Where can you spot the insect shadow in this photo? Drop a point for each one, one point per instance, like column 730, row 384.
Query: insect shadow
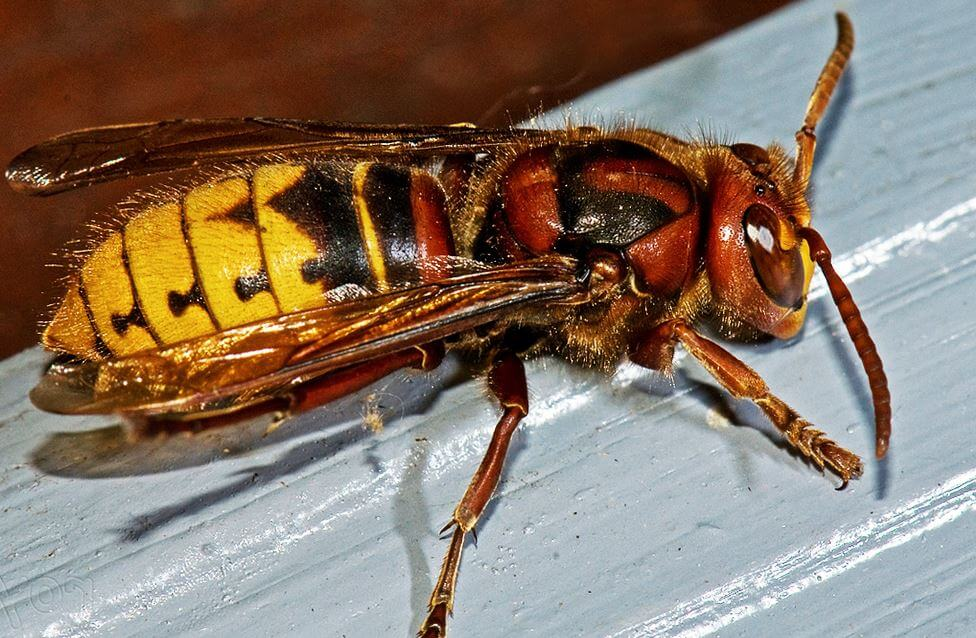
column 852, row 370
column 725, row 411
column 124, row 450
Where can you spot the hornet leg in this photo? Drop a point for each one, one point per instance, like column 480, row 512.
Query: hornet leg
column 657, row 348
column 507, row 382
column 348, row 380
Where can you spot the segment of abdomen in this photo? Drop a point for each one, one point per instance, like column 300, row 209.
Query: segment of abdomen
column 247, row 247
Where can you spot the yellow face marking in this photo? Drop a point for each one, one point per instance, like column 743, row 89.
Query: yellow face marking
column 286, row 246
column 159, row 261
column 70, row 331
column 226, row 250
column 109, row 292
column 371, row 240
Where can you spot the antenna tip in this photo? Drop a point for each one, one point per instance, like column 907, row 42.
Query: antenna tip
column 845, row 27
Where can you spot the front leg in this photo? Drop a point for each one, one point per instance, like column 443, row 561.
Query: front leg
column 656, row 349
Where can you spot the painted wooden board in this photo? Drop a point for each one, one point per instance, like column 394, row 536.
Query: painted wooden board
column 629, row 507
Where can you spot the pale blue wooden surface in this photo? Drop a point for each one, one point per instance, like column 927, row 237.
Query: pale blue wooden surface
column 628, row 508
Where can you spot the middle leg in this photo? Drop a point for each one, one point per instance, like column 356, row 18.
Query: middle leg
column 348, row 380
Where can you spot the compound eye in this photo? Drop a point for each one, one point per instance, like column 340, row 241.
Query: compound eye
column 779, row 270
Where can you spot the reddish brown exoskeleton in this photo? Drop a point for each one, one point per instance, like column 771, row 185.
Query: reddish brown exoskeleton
column 317, row 258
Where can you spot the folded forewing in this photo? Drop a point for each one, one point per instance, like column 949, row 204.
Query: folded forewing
column 108, row 153
column 252, row 363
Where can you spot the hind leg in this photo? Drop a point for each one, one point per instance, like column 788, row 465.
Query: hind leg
column 507, row 382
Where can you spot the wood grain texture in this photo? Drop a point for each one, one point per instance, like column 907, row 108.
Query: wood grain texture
column 630, row 508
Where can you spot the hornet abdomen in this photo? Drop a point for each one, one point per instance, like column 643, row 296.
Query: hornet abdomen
column 245, row 247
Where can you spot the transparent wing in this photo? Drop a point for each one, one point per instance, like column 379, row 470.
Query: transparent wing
column 108, row 153
column 258, row 361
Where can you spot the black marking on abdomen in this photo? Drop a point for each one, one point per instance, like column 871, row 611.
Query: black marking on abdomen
column 179, row 302
column 100, row 346
column 321, row 204
column 386, row 192
column 121, row 323
column 315, row 269
column 193, row 264
column 246, row 286
column 243, row 213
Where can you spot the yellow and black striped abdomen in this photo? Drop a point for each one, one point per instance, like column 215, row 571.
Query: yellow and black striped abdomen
column 243, row 248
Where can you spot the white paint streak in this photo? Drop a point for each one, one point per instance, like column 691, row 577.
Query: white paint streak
column 863, row 260
column 795, row 571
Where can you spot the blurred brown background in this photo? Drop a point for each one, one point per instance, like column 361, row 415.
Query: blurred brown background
column 67, row 65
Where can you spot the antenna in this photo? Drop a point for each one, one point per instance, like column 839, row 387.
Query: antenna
column 806, row 141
